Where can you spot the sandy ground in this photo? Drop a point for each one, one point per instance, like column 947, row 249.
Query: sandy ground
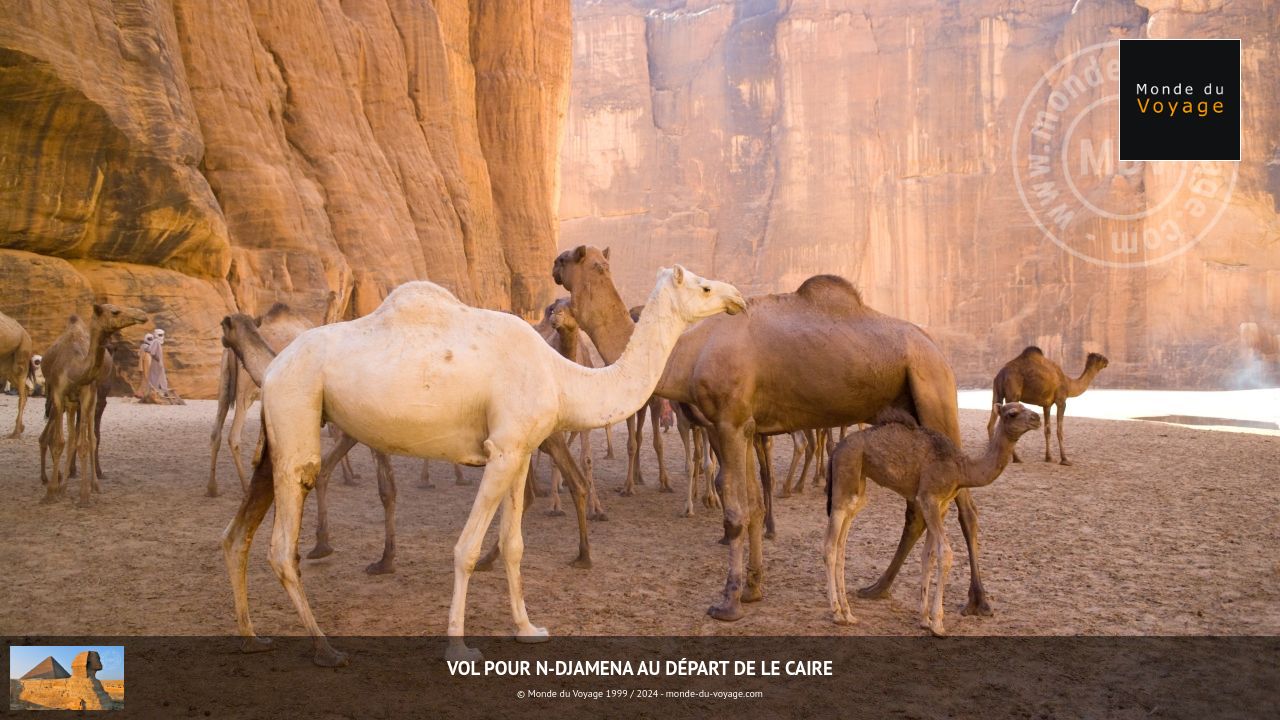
column 1156, row 530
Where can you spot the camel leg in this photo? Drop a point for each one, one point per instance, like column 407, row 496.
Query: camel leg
column 337, row 453
column 424, row 478
column 73, row 440
column 608, row 442
column 244, row 398
column 1048, row 444
column 501, row 478
column 810, row 444
column 848, row 496
column 512, row 552
column 822, row 439
column 236, row 540
column 45, row 435
column 710, row 468
column 1062, row 454
column 764, row 453
column 348, row 473
column 84, row 442
column 785, row 490
column 588, row 466
column 558, row 449
column 19, row 379
column 733, row 445
column 968, row 513
column 936, row 561
column 100, row 408
column 292, row 483
column 386, row 493
column 54, row 427
column 912, row 526
column 486, row 561
column 759, row 526
column 690, row 467
column 226, row 396
column 458, row 477
column 555, row 510
column 655, row 418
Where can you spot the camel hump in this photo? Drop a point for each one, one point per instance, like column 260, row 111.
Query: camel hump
column 419, row 299
column 277, row 309
column 831, row 291
column 1031, row 350
column 898, row 416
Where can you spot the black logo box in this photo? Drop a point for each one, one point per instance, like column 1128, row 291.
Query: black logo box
column 1181, row 65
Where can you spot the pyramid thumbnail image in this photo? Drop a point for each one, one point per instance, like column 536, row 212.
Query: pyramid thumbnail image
column 47, row 669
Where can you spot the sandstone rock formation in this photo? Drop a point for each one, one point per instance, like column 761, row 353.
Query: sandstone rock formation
column 194, row 158
column 761, row 142
column 86, row 664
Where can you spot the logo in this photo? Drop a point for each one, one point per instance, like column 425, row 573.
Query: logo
column 1082, row 196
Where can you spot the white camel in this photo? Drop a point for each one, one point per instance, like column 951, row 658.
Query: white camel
column 471, row 386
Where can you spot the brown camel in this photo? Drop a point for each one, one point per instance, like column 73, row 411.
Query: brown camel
column 278, row 327
column 815, row 358
column 15, row 364
column 1034, row 379
column 104, row 390
column 73, row 367
column 927, row 469
column 241, row 336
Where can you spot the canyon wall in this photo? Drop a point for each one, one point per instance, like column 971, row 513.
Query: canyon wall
column 197, row 157
column 763, row 141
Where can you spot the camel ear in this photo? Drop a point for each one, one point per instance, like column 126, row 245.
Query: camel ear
column 606, row 253
column 677, row 274
column 98, row 309
column 996, row 407
column 579, row 253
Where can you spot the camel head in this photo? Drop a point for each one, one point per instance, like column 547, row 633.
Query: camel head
column 1016, row 419
column 697, row 297
column 574, row 268
column 1097, row 360
column 235, row 327
column 560, row 316
column 112, row 317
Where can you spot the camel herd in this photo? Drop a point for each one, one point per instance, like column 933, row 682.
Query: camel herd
column 485, row 388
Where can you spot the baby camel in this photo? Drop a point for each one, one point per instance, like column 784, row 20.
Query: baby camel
column 927, row 469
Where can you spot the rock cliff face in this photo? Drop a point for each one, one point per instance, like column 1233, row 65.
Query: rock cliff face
column 763, row 141
column 191, row 158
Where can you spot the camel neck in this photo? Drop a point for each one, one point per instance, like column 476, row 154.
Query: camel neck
column 984, row 469
column 1077, row 386
column 254, row 354
column 97, row 354
column 592, row 398
column 568, row 343
column 603, row 316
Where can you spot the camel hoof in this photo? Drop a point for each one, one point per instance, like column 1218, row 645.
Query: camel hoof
column 83, row 503
column 783, row 494
column 752, row 593
column 531, row 635
column 555, row 513
column 937, row 629
column 598, row 517
column 726, row 612
column 688, row 513
column 1065, row 462
column 457, row 652
column 770, row 534
column 256, row 644
column 843, row 617
column 382, row 567
column 49, row 499
column 321, row 550
column 328, row 657
column 581, row 563
column 211, row 492
column 484, row 565
column 464, row 482
column 13, row 435
column 427, row 485
column 666, row 489
column 625, row 492
column 1017, row 459
column 724, row 540
column 980, row 608
column 873, row 592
